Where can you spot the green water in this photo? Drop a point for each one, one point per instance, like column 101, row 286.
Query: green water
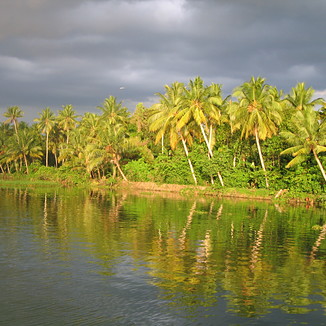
column 72, row 257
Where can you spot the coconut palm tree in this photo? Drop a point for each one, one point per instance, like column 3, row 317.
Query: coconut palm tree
column 201, row 105
column 256, row 113
column 13, row 113
column 46, row 122
column 164, row 120
column 25, row 147
column 113, row 112
column 308, row 136
column 67, row 120
column 301, row 98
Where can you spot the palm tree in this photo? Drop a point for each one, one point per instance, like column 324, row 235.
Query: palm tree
column 90, row 123
column 301, row 98
column 67, row 120
column 25, row 148
column 113, row 112
column 46, row 122
column 164, row 120
column 257, row 112
column 201, row 105
column 309, row 136
column 13, row 113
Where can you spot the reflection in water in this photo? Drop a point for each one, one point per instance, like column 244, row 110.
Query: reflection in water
column 186, row 260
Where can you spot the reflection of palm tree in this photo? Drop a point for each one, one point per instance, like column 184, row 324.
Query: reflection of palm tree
column 182, row 238
column 219, row 212
column 258, row 243
column 115, row 210
column 321, row 237
column 203, row 253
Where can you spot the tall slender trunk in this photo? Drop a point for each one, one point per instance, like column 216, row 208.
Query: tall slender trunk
column 189, row 161
column 56, row 159
column 47, row 150
column 16, row 130
column 261, row 157
column 210, row 136
column 211, row 153
column 206, row 140
column 162, row 143
column 116, row 162
column 319, row 165
column 26, row 164
column 2, row 170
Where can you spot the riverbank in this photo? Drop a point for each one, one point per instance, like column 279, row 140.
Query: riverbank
column 239, row 193
column 186, row 191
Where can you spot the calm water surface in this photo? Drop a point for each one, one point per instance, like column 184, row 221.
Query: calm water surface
column 72, row 257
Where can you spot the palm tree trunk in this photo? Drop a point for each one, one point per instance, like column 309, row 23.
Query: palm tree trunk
column 26, row 164
column 189, row 161
column 319, row 165
column 47, row 150
column 2, row 170
column 16, row 130
column 211, row 153
column 206, row 141
column 56, row 159
column 116, row 162
column 261, row 157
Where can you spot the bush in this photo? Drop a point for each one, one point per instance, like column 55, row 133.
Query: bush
column 138, row 171
column 63, row 175
column 172, row 169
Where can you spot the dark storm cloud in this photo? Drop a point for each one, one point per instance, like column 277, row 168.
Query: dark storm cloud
column 58, row 52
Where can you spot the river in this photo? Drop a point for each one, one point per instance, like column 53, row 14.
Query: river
column 76, row 257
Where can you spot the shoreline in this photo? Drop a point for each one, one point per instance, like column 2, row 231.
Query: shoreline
column 228, row 193
column 174, row 190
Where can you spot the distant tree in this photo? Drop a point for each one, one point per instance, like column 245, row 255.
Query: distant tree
column 46, row 122
column 67, row 120
column 26, row 148
column 113, row 112
column 13, row 113
column 301, row 98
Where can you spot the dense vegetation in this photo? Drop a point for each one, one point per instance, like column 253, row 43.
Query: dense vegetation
column 257, row 137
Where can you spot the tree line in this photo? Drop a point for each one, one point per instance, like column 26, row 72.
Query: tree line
column 256, row 137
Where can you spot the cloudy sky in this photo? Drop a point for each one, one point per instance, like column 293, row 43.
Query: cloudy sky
column 57, row 52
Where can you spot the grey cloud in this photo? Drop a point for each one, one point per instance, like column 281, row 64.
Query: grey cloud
column 79, row 52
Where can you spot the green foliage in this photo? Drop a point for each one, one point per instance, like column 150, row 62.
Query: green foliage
column 62, row 175
column 138, row 171
column 304, row 178
column 172, row 169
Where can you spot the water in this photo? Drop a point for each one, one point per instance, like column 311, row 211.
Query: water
column 70, row 257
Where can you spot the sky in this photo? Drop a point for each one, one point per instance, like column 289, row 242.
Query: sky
column 59, row 52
